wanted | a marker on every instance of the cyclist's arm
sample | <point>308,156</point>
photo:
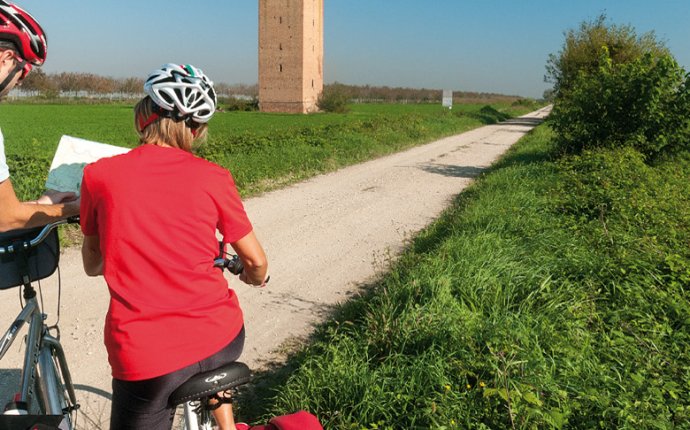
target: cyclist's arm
<point>91,255</point>
<point>15,214</point>
<point>253,258</point>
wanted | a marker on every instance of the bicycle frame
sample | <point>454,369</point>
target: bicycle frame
<point>30,314</point>
<point>52,348</point>
<point>40,347</point>
<point>190,417</point>
<point>46,385</point>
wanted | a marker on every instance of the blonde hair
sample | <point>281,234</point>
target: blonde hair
<point>165,130</point>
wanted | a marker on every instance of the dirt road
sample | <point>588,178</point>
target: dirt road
<point>323,238</point>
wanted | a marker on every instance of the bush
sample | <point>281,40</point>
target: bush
<point>488,115</point>
<point>333,99</point>
<point>582,48</point>
<point>644,104</point>
<point>529,103</point>
<point>231,104</point>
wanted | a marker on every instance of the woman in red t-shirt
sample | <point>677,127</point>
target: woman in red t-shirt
<point>150,218</point>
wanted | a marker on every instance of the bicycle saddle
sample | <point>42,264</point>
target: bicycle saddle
<point>205,384</point>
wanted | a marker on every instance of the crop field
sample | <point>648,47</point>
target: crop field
<point>263,151</point>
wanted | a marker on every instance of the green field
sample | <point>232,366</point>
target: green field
<point>263,151</point>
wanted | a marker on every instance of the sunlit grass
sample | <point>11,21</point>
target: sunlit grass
<point>512,312</point>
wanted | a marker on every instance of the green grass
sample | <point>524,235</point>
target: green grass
<point>530,304</point>
<point>263,151</point>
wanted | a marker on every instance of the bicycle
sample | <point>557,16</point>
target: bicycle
<point>46,396</point>
<point>196,393</point>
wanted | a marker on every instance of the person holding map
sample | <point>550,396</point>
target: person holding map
<point>23,45</point>
<point>149,219</point>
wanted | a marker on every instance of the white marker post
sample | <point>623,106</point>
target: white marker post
<point>448,99</point>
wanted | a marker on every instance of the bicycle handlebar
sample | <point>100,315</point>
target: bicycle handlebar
<point>233,264</point>
<point>41,236</point>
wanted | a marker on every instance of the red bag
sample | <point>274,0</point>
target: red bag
<point>301,420</point>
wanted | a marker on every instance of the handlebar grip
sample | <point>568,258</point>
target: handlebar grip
<point>234,265</point>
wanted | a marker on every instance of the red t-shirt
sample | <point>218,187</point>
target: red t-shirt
<point>156,211</point>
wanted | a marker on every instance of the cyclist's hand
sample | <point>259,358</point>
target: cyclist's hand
<point>53,197</point>
<point>244,278</point>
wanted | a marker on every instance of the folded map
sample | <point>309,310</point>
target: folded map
<point>72,155</point>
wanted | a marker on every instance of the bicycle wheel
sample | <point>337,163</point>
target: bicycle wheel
<point>57,393</point>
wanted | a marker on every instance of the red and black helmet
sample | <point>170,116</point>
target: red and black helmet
<point>20,28</point>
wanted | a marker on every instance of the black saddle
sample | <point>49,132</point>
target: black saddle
<point>208,383</point>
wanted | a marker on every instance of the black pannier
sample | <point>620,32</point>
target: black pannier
<point>41,261</point>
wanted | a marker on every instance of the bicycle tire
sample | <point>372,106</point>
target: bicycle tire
<point>52,378</point>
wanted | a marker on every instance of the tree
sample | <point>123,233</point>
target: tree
<point>131,86</point>
<point>38,81</point>
<point>68,82</point>
<point>582,51</point>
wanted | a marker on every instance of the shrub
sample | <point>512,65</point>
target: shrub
<point>488,115</point>
<point>238,104</point>
<point>644,104</point>
<point>581,51</point>
<point>333,99</point>
<point>529,103</point>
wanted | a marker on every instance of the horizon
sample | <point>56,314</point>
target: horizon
<point>498,47</point>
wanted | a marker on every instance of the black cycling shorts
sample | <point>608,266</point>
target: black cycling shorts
<point>143,405</point>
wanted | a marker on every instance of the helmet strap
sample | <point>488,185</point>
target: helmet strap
<point>159,112</point>
<point>145,122</point>
<point>19,66</point>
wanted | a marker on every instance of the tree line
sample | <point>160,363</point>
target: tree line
<point>76,84</point>
<point>371,93</point>
<point>72,84</point>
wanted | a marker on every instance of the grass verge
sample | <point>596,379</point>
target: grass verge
<point>552,294</point>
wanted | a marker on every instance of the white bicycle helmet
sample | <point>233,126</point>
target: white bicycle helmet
<point>182,90</point>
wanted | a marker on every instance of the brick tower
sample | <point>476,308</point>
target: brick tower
<point>290,55</point>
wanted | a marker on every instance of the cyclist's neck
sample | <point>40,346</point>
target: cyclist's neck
<point>157,143</point>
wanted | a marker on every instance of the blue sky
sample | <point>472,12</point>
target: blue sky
<point>469,45</point>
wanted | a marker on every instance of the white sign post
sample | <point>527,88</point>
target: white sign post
<point>448,99</point>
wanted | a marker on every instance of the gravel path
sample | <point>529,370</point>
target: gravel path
<point>324,238</point>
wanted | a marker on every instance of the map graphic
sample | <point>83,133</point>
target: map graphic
<point>72,155</point>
